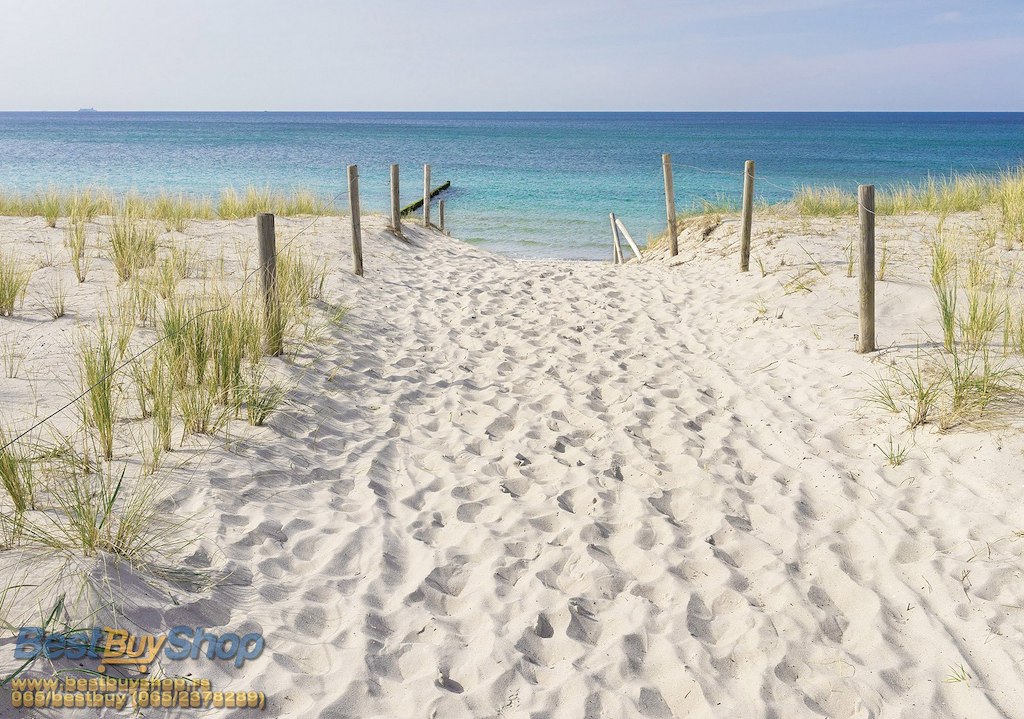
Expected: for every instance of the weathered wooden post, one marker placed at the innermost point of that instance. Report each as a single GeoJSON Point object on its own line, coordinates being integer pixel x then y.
{"type": "Point", "coordinates": [426, 195]}
{"type": "Point", "coordinates": [670, 204]}
{"type": "Point", "coordinates": [396, 212]}
{"type": "Point", "coordinates": [866, 338]}
{"type": "Point", "coordinates": [616, 247]}
{"type": "Point", "coordinates": [629, 238]}
{"type": "Point", "coordinates": [357, 233]}
{"type": "Point", "coordinates": [748, 215]}
{"type": "Point", "coordinates": [268, 283]}
{"type": "Point", "coordinates": [440, 215]}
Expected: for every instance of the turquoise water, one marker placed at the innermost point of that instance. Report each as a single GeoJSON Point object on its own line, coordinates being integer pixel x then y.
{"type": "Point", "coordinates": [528, 184]}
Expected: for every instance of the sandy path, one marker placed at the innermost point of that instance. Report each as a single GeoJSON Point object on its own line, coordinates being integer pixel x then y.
{"type": "Point", "coordinates": [569, 489]}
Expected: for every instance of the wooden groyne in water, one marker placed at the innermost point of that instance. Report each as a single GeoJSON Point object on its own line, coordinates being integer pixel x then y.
{"type": "Point", "coordinates": [419, 203]}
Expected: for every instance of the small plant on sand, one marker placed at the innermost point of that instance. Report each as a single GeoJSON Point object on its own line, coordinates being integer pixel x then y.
{"type": "Point", "coordinates": [958, 675]}
{"type": "Point", "coordinates": [883, 259]}
{"type": "Point", "coordinates": [884, 394]}
{"type": "Point", "coordinates": [235, 337]}
{"type": "Point", "coordinates": [75, 238]}
{"type": "Point", "coordinates": [11, 356]}
{"type": "Point", "coordinates": [802, 282]}
{"type": "Point", "coordinates": [14, 278]}
{"type": "Point", "coordinates": [337, 315]}
{"type": "Point", "coordinates": [160, 388]}
{"type": "Point", "coordinates": [132, 243]}
{"type": "Point", "coordinates": [922, 389]}
{"type": "Point", "coordinates": [55, 302]}
{"type": "Point", "coordinates": [165, 278]}
{"type": "Point", "coordinates": [196, 405]}
{"type": "Point", "coordinates": [974, 384]}
{"type": "Point", "coordinates": [984, 308]}
{"type": "Point", "coordinates": [150, 449]}
{"type": "Point", "coordinates": [760, 266]}
{"type": "Point", "coordinates": [101, 511]}
{"type": "Point", "coordinates": [99, 357]}
{"type": "Point", "coordinates": [184, 262]}
{"type": "Point", "coordinates": [49, 204]}
{"type": "Point", "coordinates": [1011, 206]}
{"type": "Point", "coordinates": [815, 263]}
{"type": "Point", "coordinates": [261, 397]}
{"type": "Point", "coordinates": [16, 475]}
{"type": "Point", "coordinates": [944, 284]}
{"type": "Point", "coordinates": [136, 299]}
{"type": "Point", "coordinates": [895, 453]}
{"type": "Point", "coordinates": [849, 259]}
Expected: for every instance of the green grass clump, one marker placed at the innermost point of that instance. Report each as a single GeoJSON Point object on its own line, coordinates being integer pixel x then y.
{"type": "Point", "coordinates": [1011, 206]}
{"type": "Point", "coordinates": [985, 307]}
{"type": "Point", "coordinates": [99, 357]}
{"type": "Point", "coordinates": [14, 278]}
{"type": "Point", "coordinates": [944, 284]}
{"type": "Point", "coordinates": [16, 476]}
{"type": "Point", "coordinates": [50, 204]}
{"type": "Point", "coordinates": [261, 398]}
{"type": "Point", "coordinates": [132, 243]}
{"type": "Point", "coordinates": [75, 240]}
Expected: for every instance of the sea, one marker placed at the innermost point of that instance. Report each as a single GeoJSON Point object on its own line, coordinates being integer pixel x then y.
{"type": "Point", "coordinates": [529, 185]}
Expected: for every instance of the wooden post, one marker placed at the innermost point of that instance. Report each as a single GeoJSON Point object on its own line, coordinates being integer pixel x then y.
{"type": "Point", "coordinates": [396, 213]}
{"type": "Point", "coordinates": [426, 195]}
{"type": "Point", "coordinates": [357, 231]}
{"type": "Point", "coordinates": [670, 205]}
{"type": "Point", "coordinates": [629, 238]}
{"type": "Point", "coordinates": [440, 215]}
{"type": "Point", "coordinates": [866, 338]}
{"type": "Point", "coordinates": [748, 215]}
{"type": "Point", "coordinates": [616, 247]}
{"type": "Point", "coordinates": [268, 282]}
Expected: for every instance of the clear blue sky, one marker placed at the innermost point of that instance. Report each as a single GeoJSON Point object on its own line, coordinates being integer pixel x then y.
{"type": "Point", "coordinates": [512, 55]}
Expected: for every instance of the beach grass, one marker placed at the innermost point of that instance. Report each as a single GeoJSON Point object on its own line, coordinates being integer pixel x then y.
{"type": "Point", "coordinates": [174, 209]}
{"type": "Point", "coordinates": [132, 242]}
{"type": "Point", "coordinates": [938, 195]}
{"type": "Point", "coordinates": [14, 279]}
{"type": "Point", "coordinates": [99, 358]}
{"type": "Point", "coordinates": [75, 240]}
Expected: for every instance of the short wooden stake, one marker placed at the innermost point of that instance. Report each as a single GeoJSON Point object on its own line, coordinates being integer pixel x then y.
{"type": "Point", "coordinates": [670, 205]}
{"type": "Point", "coordinates": [748, 215]}
{"type": "Point", "coordinates": [866, 338]}
{"type": "Point", "coordinates": [357, 232]}
{"type": "Point", "coordinates": [616, 247]}
{"type": "Point", "coordinates": [268, 283]}
{"type": "Point", "coordinates": [440, 215]}
{"type": "Point", "coordinates": [629, 238]}
{"type": "Point", "coordinates": [426, 195]}
{"type": "Point", "coordinates": [396, 212]}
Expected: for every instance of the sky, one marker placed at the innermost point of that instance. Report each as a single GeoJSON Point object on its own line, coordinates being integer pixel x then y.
{"type": "Point", "coordinates": [518, 55]}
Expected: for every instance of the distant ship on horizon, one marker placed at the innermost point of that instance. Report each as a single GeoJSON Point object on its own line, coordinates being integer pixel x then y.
{"type": "Point", "coordinates": [87, 109]}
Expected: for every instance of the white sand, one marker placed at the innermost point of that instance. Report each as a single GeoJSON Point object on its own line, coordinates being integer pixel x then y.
{"type": "Point", "coordinates": [568, 489]}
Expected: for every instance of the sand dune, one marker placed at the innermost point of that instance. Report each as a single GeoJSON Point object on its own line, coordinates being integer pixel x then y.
{"type": "Point", "coordinates": [566, 489]}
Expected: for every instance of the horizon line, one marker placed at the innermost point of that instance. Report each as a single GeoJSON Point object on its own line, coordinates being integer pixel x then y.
{"type": "Point", "coordinates": [90, 111]}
